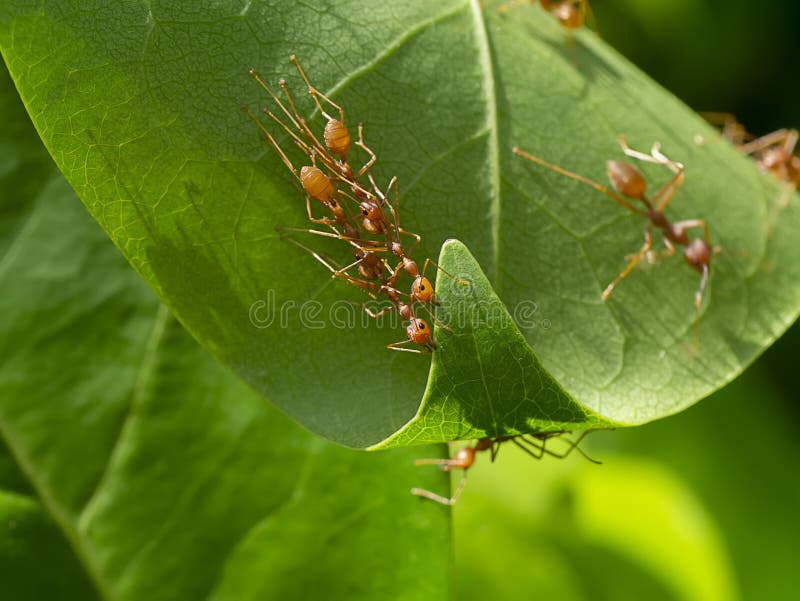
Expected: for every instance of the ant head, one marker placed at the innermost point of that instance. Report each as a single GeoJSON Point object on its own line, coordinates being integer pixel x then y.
{"type": "Point", "coordinates": [626, 179]}
{"type": "Point", "coordinates": [421, 289]}
{"type": "Point", "coordinates": [337, 138]}
{"type": "Point", "coordinates": [419, 332]}
{"type": "Point", "coordinates": [568, 15]}
{"type": "Point", "coordinates": [370, 210]}
{"type": "Point", "coordinates": [773, 158]}
{"type": "Point", "coordinates": [697, 254]}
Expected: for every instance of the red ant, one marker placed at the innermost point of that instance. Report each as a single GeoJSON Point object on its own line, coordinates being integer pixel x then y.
{"type": "Point", "coordinates": [775, 155]}
{"type": "Point", "coordinates": [572, 14]}
{"type": "Point", "coordinates": [417, 331]}
{"type": "Point", "coordinates": [630, 183]}
{"type": "Point", "coordinates": [532, 444]}
{"type": "Point", "coordinates": [337, 138]}
{"type": "Point", "coordinates": [374, 220]}
{"type": "Point", "coordinates": [315, 184]}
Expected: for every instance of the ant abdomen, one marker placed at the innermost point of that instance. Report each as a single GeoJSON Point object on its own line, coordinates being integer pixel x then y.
{"type": "Point", "coordinates": [337, 138]}
{"type": "Point", "coordinates": [316, 183]}
{"type": "Point", "coordinates": [626, 179]}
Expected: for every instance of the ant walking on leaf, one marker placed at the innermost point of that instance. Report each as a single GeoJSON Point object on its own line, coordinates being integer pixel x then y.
{"type": "Point", "coordinates": [629, 184]}
{"type": "Point", "coordinates": [534, 445]}
{"type": "Point", "coordinates": [774, 153]}
{"type": "Point", "coordinates": [572, 14]}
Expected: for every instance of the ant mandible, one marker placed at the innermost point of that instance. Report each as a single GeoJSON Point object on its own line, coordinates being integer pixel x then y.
{"type": "Point", "coordinates": [630, 183]}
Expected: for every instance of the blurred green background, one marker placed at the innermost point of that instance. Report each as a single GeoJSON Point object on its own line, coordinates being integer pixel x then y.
{"type": "Point", "coordinates": [702, 505]}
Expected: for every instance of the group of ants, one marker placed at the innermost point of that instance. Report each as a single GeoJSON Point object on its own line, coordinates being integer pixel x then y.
{"type": "Point", "coordinates": [374, 236]}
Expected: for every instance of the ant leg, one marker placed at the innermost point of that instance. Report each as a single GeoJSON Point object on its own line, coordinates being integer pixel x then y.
{"type": "Point", "coordinates": [364, 285]}
{"type": "Point", "coordinates": [532, 448]}
{"type": "Point", "coordinates": [446, 464]}
{"type": "Point", "coordinates": [298, 121]}
{"type": "Point", "coordinates": [443, 270]}
{"type": "Point", "coordinates": [320, 220]}
{"type": "Point", "coordinates": [435, 319]}
{"type": "Point", "coordinates": [791, 141]}
{"type": "Point", "coordinates": [682, 226]}
{"type": "Point", "coordinates": [335, 234]}
{"type": "Point", "coordinates": [541, 448]}
{"type": "Point", "coordinates": [397, 346]}
{"type": "Point", "coordinates": [648, 242]}
{"type": "Point", "coordinates": [316, 94]}
{"type": "Point", "coordinates": [421, 492]}
{"type": "Point", "coordinates": [656, 156]}
{"type": "Point", "coordinates": [588, 15]}
{"type": "Point", "coordinates": [380, 313]}
{"type": "Point", "coordinates": [661, 198]}
{"type": "Point", "coordinates": [781, 136]}
{"type": "Point", "coordinates": [654, 256]}
{"type": "Point", "coordinates": [272, 142]}
{"type": "Point", "coordinates": [277, 100]}
{"type": "Point", "coordinates": [495, 449]}
{"type": "Point", "coordinates": [360, 143]}
{"type": "Point", "coordinates": [694, 223]}
{"type": "Point", "coordinates": [511, 4]}
{"type": "Point", "coordinates": [584, 180]}
{"type": "Point", "coordinates": [731, 130]}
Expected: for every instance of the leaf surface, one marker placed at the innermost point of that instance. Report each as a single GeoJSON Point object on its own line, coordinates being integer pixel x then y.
{"type": "Point", "coordinates": [134, 466]}
{"type": "Point", "coordinates": [138, 103]}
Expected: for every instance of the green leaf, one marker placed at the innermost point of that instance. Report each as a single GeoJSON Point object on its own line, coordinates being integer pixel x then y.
{"type": "Point", "coordinates": [629, 529]}
{"type": "Point", "coordinates": [744, 475]}
{"type": "Point", "coordinates": [138, 103]}
{"type": "Point", "coordinates": [134, 466]}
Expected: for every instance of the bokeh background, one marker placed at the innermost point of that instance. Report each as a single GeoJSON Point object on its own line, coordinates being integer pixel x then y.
{"type": "Point", "coordinates": [702, 505]}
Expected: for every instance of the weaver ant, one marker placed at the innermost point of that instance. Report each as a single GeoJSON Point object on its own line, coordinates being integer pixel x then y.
{"type": "Point", "coordinates": [417, 331]}
{"type": "Point", "coordinates": [630, 183]}
{"type": "Point", "coordinates": [532, 444]}
{"type": "Point", "coordinates": [773, 153]}
{"type": "Point", "coordinates": [336, 136]}
{"type": "Point", "coordinates": [572, 14]}
{"type": "Point", "coordinates": [315, 184]}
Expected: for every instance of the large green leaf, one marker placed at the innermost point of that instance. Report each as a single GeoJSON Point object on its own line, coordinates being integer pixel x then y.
{"type": "Point", "coordinates": [134, 466]}
{"type": "Point", "coordinates": [138, 103]}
